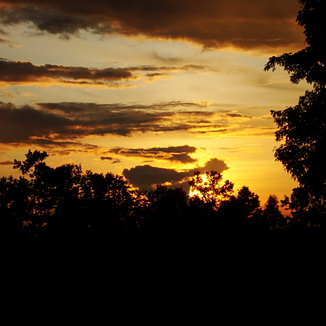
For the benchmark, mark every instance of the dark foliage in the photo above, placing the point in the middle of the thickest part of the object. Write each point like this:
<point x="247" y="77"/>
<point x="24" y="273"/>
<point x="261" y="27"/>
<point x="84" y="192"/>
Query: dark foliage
<point x="301" y="128"/>
<point x="66" y="203"/>
<point x="91" y="243"/>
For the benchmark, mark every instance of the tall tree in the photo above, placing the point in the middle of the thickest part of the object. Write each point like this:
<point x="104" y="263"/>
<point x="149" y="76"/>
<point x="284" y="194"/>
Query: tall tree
<point x="302" y="128"/>
<point x="237" y="210"/>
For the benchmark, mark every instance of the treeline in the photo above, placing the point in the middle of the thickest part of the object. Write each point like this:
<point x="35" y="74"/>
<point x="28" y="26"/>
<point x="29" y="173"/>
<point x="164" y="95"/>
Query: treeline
<point x="66" y="203"/>
<point x="68" y="231"/>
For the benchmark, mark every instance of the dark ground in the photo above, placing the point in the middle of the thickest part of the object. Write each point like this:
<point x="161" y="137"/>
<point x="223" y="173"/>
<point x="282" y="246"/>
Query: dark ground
<point x="146" y="284"/>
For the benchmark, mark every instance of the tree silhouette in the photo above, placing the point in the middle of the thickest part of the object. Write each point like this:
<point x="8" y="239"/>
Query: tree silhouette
<point x="237" y="210"/>
<point x="64" y="202"/>
<point x="15" y="206"/>
<point x="110" y="202"/>
<point x="302" y="128"/>
<point x="209" y="188"/>
<point x="33" y="160"/>
<point x="272" y="215"/>
<point x="166" y="209"/>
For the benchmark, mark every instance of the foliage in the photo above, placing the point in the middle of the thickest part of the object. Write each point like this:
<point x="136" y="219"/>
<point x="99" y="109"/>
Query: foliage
<point x="302" y="128"/>
<point x="210" y="190"/>
<point x="66" y="203"/>
<point x="272" y="214"/>
<point x="33" y="159"/>
<point x="309" y="63"/>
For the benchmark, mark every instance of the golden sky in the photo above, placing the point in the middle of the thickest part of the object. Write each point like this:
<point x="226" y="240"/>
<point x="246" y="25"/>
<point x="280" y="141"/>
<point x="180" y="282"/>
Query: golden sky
<point x="149" y="89"/>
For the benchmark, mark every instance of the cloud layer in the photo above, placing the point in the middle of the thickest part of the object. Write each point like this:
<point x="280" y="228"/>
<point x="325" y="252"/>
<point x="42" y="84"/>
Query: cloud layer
<point x="23" y="72"/>
<point x="172" y="153"/>
<point x="66" y="124"/>
<point x="244" y="24"/>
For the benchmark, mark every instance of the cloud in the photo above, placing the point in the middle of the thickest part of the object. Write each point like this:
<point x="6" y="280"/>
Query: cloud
<point x="213" y="164"/>
<point x="14" y="72"/>
<point x="244" y="24"/>
<point x="7" y="162"/>
<point x="66" y="124"/>
<point x="54" y="122"/>
<point x="24" y="72"/>
<point x="144" y="176"/>
<point x="147" y="176"/>
<point x="20" y="124"/>
<point x="172" y="153"/>
<point x="108" y="158"/>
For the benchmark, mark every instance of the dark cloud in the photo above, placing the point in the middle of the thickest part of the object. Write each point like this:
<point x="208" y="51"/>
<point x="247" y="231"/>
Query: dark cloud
<point x="213" y="164"/>
<point x="66" y="124"/>
<point x="22" y="124"/>
<point x="7" y="162"/>
<point x="103" y="158"/>
<point x="147" y="176"/>
<point x="171" y="153"/>
<point x="244" y="24"/>
<point x="123" y="120"/>
<point x="237" y="115"/>
<point x="22" y="71"/>
<point x="26" y="72"/>
<point x="59" y="123"/>
<point x="168" y="68"/>
<point x="72" y="149"/>
<point x="144" y="176"/>
<point x="108" y="158"/>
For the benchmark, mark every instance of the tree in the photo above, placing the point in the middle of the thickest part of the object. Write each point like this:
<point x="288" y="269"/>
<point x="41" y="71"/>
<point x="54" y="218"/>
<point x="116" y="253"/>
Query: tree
<point x="110" y="202"/>
<point x="166" y="209"/>
<point x="15" y="206"/>
<point x="209" y="188"/>
<point x="302" y="128"/>
<point x="65" y="202"/>
<point x="33" y="160"/>
<point x="237" y="210"/>
<point x="272" y="214"/>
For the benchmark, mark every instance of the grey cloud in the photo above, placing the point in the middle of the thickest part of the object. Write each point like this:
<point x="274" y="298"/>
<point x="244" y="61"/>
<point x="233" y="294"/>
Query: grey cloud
<point x="168" y="68"/>
<point x="61" y="122"/>
<point x="214" y="164"/>
<point x="47" y="19"/>
<point x="171" y="153"/>
<point x="108" y="158"/>
<point x="183" y="158"/>
<point x="6" y="162"/>
<point x="244" y="24"/>
<point x="147" y="176"/>
<point x="67" y="123"/>
<point x="27" y="72"/>
<point x="166" y="59"/>
<point x="238" y="115"/>
<point x="175" y="149"/>
<point x="20" y="124"/>
<point x="23" y="71"/>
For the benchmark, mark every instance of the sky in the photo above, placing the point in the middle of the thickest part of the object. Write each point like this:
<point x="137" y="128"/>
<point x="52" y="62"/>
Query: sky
<point x="151" y="90"/>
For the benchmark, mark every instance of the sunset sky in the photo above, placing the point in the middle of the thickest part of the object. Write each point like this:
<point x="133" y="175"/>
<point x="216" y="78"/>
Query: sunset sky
<point x="151" y="90"/>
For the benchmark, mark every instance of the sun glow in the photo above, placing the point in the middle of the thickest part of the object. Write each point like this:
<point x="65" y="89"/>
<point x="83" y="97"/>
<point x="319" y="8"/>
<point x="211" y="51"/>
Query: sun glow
<point x="193" y="192"/>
